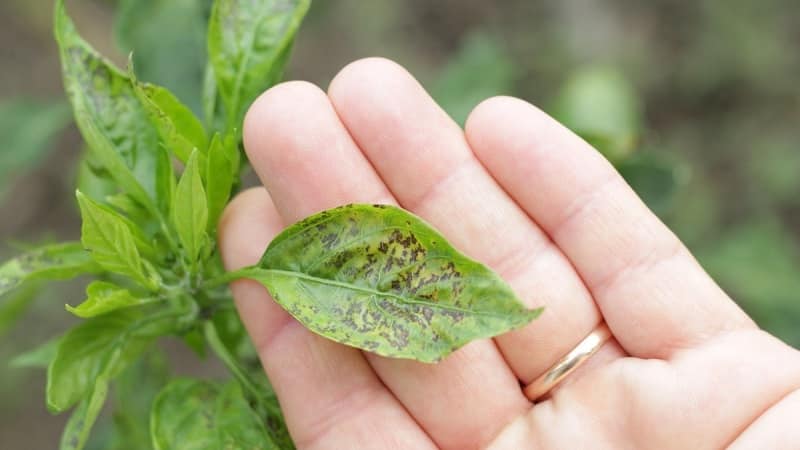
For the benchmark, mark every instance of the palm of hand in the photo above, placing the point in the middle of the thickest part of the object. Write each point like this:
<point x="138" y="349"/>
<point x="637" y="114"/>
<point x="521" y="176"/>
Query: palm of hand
<point x="685" y="369"/>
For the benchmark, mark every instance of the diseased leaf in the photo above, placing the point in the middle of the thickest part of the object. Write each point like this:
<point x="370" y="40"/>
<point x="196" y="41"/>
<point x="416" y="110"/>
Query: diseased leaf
<point x="220" y="172"/>
<point x="190" y="210"/>
<point x="180" y="131"/>
<point x="111" y="118"/>
<point x="50" y="262"/>
<point x="248" y="42"/>
<point x="104" y="297"/>
<point x="101" y="346"/>
<point x="380" y="279"/>
<point x="111" y="243"/>
<point x="192" y="414"/>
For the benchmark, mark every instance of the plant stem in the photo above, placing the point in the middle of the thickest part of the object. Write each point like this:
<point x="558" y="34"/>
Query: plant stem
<point x="219" y="348"/>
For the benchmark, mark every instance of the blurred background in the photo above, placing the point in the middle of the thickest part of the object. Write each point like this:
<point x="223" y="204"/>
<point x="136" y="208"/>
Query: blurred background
<point x="696" y="103"/>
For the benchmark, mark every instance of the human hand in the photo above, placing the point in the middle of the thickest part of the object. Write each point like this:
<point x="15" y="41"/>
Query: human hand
<point x="685" y="368"/>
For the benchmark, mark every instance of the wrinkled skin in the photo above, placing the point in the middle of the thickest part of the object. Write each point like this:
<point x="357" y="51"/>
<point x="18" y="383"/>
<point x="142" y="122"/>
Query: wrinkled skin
<point x="686" y="369"/>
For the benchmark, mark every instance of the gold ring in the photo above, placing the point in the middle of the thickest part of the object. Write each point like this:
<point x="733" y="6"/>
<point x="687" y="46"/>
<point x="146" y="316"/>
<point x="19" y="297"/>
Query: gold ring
<point x="566" y="365"/>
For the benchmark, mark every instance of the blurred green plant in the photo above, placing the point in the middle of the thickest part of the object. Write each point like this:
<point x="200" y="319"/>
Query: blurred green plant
<point x="759" y="263"/>
<point x="481" y="68"/>
<point x="155" y="31"/>
<point x="27" y="130"/>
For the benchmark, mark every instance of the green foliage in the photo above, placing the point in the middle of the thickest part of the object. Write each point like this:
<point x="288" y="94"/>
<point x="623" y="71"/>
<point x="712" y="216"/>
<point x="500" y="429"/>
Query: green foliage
<point x="190" y="211"/>
<point x="157" y="31"/>
<point x="248" y="45"/>
<point x="481" y="69"/>
<point x="600" y="105"/>
<point x="104" y="297"/>
<point x="148" y="235"/>
<point x="758" y="263"/>
<point x="179" y="129"/>
<point x="110" y="241"/>
<point x="194" y="414"/>
<point x="50" y="262"/>
<point x="380" y="279"/>
<point x="27" y="128"/>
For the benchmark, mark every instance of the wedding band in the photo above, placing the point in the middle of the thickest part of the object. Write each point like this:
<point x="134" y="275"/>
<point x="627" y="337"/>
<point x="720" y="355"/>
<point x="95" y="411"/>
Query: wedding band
<point x="566" y="365"/>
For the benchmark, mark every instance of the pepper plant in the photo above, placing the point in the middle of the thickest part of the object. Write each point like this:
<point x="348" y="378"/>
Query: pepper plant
<point x="154" y="183"/>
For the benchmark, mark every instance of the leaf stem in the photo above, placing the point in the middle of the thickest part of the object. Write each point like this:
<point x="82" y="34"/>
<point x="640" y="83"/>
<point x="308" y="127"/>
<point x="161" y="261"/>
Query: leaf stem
<point x="227" y="277"/>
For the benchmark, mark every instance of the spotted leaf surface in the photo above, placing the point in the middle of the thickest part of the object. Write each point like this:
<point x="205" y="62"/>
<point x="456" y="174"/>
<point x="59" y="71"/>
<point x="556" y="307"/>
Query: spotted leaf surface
<point x="380" y="279"/>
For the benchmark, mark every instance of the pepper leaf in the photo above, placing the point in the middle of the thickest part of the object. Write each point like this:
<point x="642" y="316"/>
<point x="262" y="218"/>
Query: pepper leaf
<point x="248" y="43"/>
<point x="104" y="297"/>
<point x="380" y="279"/>
<point x="221" y="169"/>
<point x="111" y="242"/>
<point x="190" y="210"/>
<point x="111" y="118"/>
<point x="191" y="414"/>
<point x="80" y="423"/>
<point x="50" y="262"/>
<point x="179" y="129"/>
<point x="98" y="346"/>
<point x="38" y="357"/>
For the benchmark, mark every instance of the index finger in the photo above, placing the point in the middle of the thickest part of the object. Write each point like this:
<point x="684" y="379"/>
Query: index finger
<point x="654" y="295"/>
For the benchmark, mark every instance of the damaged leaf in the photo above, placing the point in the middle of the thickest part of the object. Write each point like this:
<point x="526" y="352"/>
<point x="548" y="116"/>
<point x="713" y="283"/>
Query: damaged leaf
<point x="381" y="279"/>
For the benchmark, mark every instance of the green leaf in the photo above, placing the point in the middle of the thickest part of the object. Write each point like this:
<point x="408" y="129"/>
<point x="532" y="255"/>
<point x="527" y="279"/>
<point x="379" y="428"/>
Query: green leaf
<point x="50" y="262"/>
<point x="190" y="210"/>
<point x="380" y="279"/>
<point x="480" y="69"/>
<point x="82" y="419"/>
<point x="220" y="173"/>
<point x="101" y="346"/>
<point x="111" y="118"/>
<point x="111" y="243"/>
<point x="134" y="391"/>
<point x="39" y="357"/>
<point x="27" y="128"/>
<point x="601" y="105"/>
<point x="104" y="297"/>
<point x="179" y="129"/>
<point x="193" y="414"/>
<point x="168" y="42"/>
<point x="93" y="180"/>
<point x="248" y="43"/>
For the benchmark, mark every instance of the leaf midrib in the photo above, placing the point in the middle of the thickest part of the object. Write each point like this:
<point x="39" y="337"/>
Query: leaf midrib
<point x="366" y="290"/>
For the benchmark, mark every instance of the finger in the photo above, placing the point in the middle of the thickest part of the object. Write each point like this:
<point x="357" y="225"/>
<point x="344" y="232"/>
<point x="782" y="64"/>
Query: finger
<point x="330" y="396"/>
<point x="422" y="156"/>
<point x="308" y="162"/>
<point x="653" y="294"/>
<point x="776" y="428"/>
